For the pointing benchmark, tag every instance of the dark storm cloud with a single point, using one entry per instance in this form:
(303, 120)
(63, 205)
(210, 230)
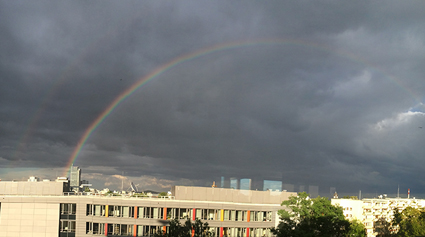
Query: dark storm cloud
(336, 104)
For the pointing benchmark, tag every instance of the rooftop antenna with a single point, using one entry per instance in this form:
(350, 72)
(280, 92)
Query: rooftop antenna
(133, 187)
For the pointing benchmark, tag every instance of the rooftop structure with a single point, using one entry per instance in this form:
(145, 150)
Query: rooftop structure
(34, 187)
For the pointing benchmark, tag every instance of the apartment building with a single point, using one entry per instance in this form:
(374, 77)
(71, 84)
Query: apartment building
(371, 211)
(44, 209)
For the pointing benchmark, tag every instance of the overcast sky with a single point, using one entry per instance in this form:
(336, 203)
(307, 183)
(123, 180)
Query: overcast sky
(319, 93)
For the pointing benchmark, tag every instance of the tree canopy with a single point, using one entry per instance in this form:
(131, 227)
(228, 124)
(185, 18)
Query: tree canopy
(177, 229)
(410, 221)
(311, 217)
(350, 197)
(357, 229)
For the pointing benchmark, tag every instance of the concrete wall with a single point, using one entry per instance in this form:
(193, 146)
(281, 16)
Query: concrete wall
(29, 219)
(352, 208)
(39, 215)
(31, 188)
(230, 195)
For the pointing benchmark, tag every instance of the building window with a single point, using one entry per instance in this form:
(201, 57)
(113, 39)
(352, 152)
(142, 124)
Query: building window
(146, 230)
(233, 215)
(95, 228)
(150, 212)
(95, 210)
(66, 228)
(183, 213)
(68, 208)
(67, 219)
(207, 214)
(120, 229)
(226, 215)
(259, 232)
(178, 213)
(239, 216)
(113, 211)
(261, 216)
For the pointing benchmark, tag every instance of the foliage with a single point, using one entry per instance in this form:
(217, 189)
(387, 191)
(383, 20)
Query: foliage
(163, 194)
(351, 197)
(382, 227)
(177, 229)
(311, 218)
(139, 195)
(357, 229)
(411, 222)
(110, 193)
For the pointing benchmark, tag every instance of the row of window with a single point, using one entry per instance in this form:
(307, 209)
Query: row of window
(176, 213)
(146, 230)
(112, 229)
(241, 232)
(115, 211)
(67, 219)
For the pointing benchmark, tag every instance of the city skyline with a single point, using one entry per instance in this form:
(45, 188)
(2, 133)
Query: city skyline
(311, 94)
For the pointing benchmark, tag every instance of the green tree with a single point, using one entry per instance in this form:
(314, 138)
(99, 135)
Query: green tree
(350, 197)
(311, 218)
(139, 195)
(382, 227)
(177, 229)
(411, 222)
(357, 229)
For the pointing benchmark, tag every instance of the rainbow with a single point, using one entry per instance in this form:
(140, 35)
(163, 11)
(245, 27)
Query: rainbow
(196, 54)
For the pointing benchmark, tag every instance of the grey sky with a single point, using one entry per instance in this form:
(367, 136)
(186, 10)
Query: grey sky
(336, 101)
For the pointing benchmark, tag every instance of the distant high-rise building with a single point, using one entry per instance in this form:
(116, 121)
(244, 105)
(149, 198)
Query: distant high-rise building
(313, 191)
(288, 187)
(234, 183)
(245, 184)
(75, 177)
(256, 184)
(272, 185)
(222, 182)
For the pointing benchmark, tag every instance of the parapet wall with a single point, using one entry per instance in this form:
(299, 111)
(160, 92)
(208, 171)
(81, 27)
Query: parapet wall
(32, 188)
(230, 195)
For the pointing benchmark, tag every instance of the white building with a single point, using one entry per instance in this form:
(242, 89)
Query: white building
(370, 210)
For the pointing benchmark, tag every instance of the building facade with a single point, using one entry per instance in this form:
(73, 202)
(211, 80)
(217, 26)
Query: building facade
(228, 212)
(372, 211)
